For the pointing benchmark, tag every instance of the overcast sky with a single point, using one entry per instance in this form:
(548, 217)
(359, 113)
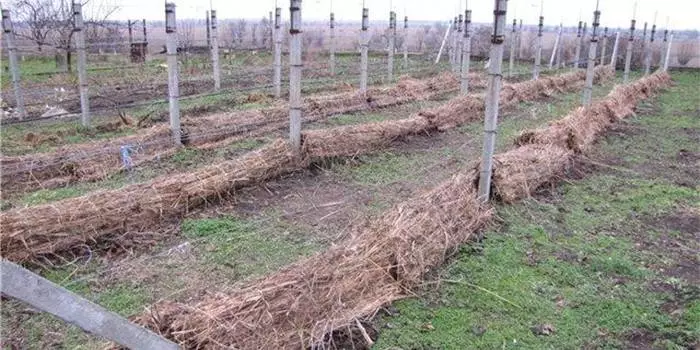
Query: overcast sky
(615, 13)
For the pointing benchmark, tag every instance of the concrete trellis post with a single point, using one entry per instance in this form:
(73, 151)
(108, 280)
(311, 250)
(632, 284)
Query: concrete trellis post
(444, 41)
(538, 53)
(145, 39)
(644, 39)
(513, 42)
(604, 46)
(588, 87)
(492, 99)
(405, 43)
(628, 54)
(453, 45)
(647, 57)
(663, 50)
(40, 293)
(295, 67)
(332, 44)
(466, 52)
(130, 24)
(215, 50)
(519, 42)
(579, 43)
(667, 57)
(559, 62)
(364, 50)
(392, 44)
(208, 23)
(613, 58)
(9, 38)
(82, 62)
(271, 32)
(555, 49)
(460, 43)
(173, 81)
(277, 54)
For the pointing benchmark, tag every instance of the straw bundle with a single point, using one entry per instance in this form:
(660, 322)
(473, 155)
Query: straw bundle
(576, 131)
(579, 129)
(299, 305)
(63, 225)
(353, 140)
(519, 172)
(457, 111)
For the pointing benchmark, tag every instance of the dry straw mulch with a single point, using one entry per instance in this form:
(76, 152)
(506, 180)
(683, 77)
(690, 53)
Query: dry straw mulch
(519, 172)
(299, 305)
(32, 232)
(64, 225)
(578, 130)
(96, 160)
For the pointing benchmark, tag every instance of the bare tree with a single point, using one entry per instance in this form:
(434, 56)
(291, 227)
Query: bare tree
(687, 51)
(185, 35)
(267, 28)
(238, 30)
(38, 16)
(50, 22)
(254, 35)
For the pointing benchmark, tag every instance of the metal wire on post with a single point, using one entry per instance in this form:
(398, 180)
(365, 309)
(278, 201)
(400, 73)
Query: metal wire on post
(628, 54)
(588, 87)
(492, 99)
(364, 50)
(277, 55)
(82, 63)
(538, 53)
(215, 50)
(173, 80)
(466, 52)
(295, 68)
(9, 38)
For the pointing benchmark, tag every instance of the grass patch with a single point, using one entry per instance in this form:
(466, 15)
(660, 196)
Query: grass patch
(242, 248)
(383, 169)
